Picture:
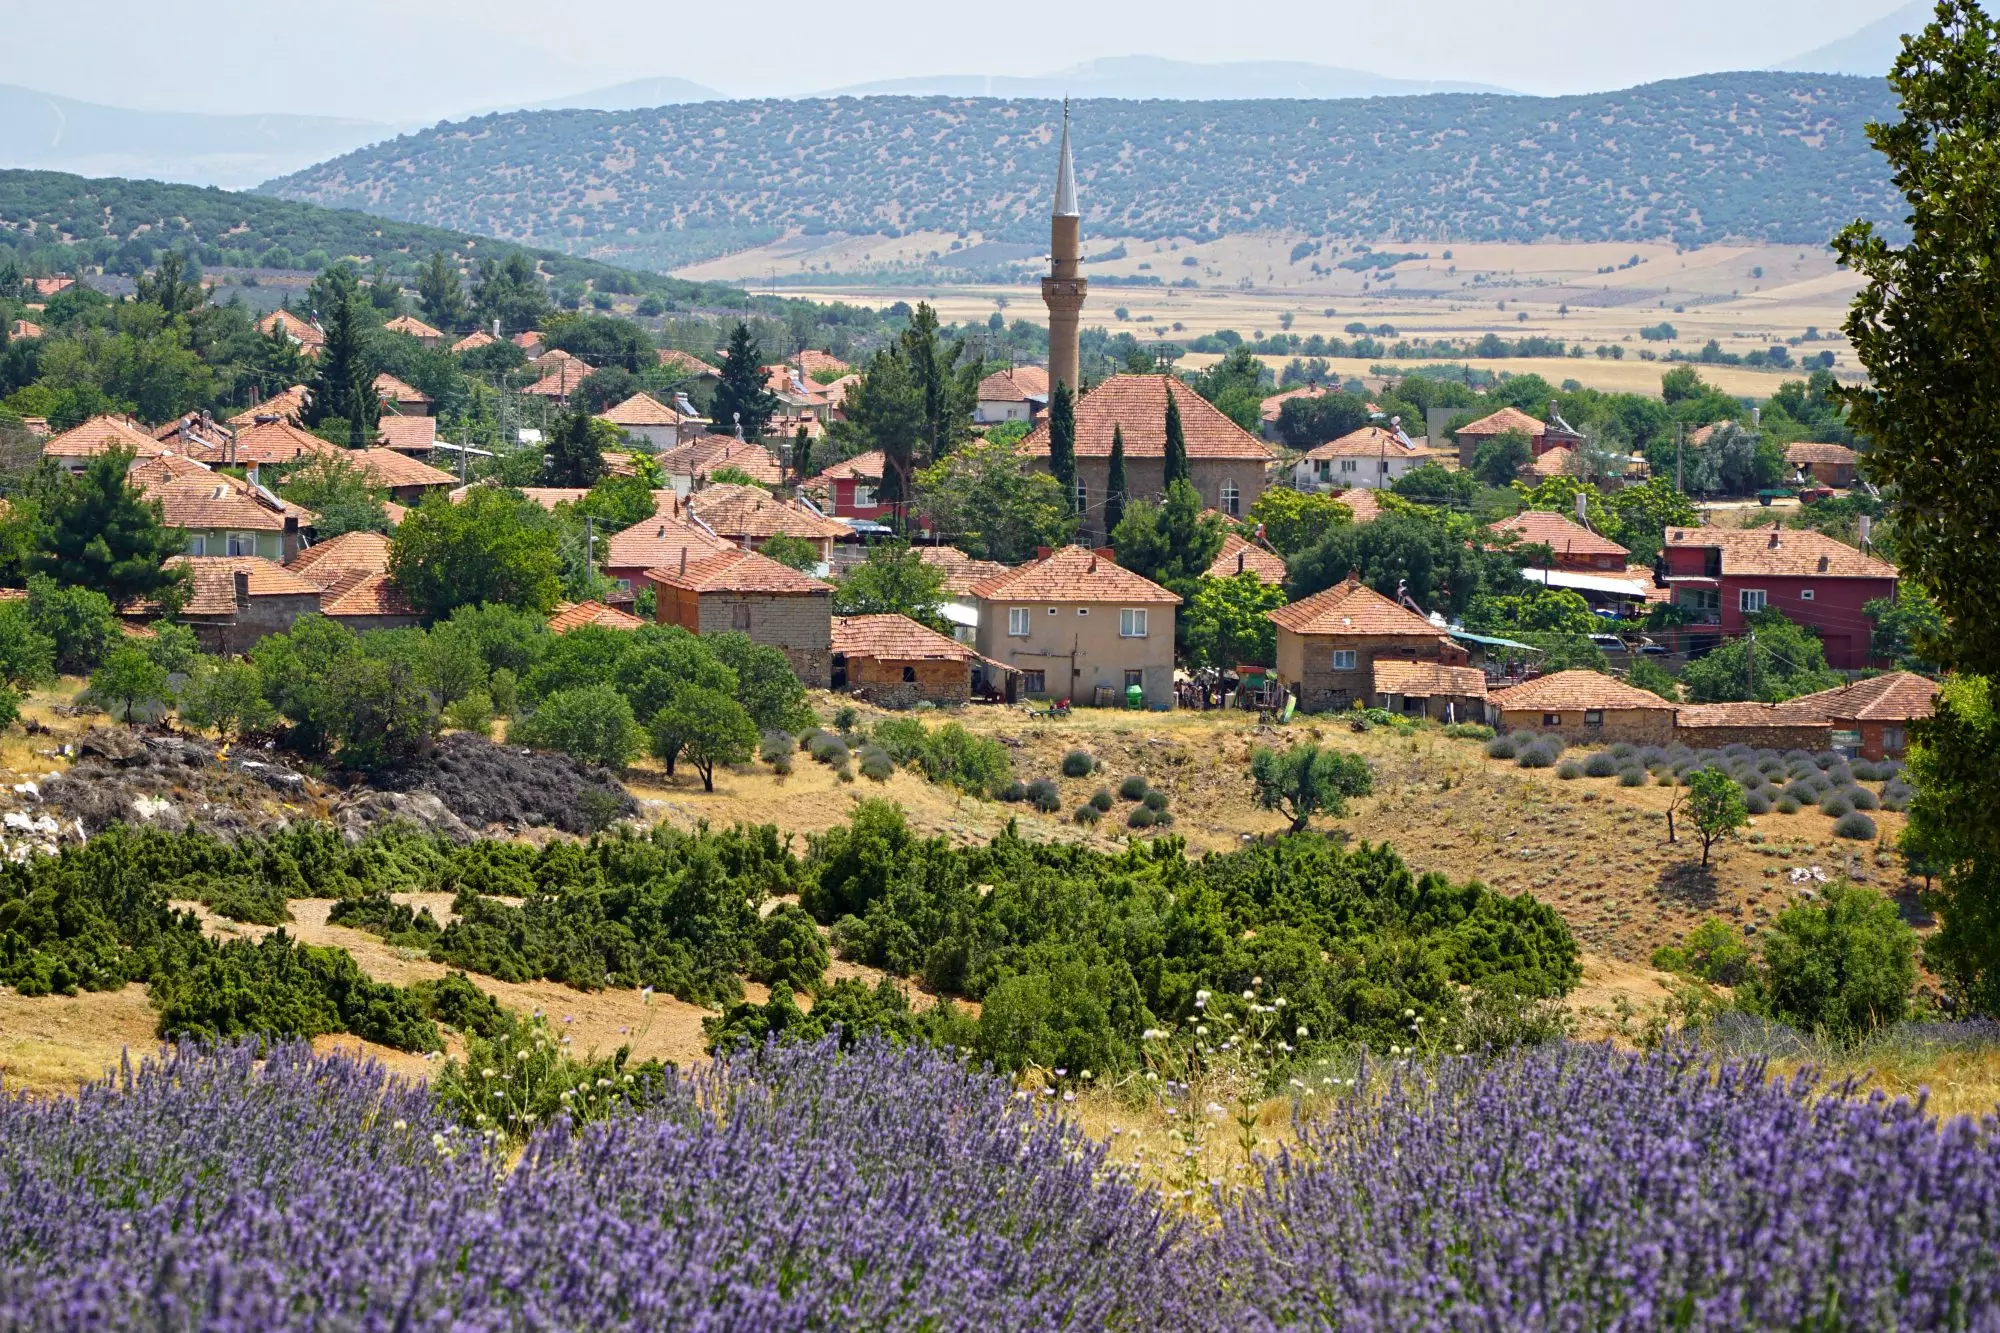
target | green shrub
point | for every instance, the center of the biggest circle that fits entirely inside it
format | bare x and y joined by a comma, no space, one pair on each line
1631,777
1855,825
1842,966
1602,764
458,1004
396,922
851,1007
592,723
1078,764
1714,952
1100,800
1141,817
278,987
1756,802
1014,792
1570,770
523,1077
1786,805
790,951
1835,805
875,763
1502,747
1535,756
1469,731
1087,815
846,718
1134,788
1044,795
1155,800
473,712
903,738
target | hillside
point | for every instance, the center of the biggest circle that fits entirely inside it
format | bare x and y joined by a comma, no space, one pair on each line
1779,157
54,221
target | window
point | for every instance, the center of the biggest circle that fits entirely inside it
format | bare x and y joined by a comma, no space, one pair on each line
1017,622
1894,739
909,675
1552,719
1083,610
1082,497
1135,678
1033,682
1132,623
1230,498
1052,610
1349,465
1593,717
1750,600
1384,467
1805,594
739,615
863,495
1343,659
242,543
198,544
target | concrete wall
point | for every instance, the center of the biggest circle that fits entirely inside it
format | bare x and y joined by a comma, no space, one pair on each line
1145,479
1078,653
1643,726
881,681
1305,665
215,541
800,625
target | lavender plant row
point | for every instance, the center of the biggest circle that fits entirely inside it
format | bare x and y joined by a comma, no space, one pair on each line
797,1188
1580,1188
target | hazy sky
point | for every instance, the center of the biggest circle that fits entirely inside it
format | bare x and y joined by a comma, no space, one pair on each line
406,60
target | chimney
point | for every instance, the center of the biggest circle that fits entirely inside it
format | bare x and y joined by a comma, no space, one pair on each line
1774,537
242,591
1043,552
496,326
1093,562
1866,523
684,559
1106,553
1239,562
1822,564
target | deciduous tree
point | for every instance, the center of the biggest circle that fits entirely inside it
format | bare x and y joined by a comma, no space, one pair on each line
1306,780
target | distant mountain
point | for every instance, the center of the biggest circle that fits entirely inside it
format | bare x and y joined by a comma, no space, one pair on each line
1179,80
663,91
1765,156
1871,50
61,134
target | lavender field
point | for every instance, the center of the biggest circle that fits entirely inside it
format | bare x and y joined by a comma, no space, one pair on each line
801,1187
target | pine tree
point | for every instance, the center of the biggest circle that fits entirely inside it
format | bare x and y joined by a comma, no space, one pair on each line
802,453
442,296
1177,458
741,398
1062,441
98,532
1114,486
343,382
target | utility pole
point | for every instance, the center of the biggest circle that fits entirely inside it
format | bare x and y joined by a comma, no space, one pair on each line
1750,662
1680,438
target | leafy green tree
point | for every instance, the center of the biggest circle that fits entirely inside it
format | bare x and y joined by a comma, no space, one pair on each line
947,386
1062,438
497,546
1909,629
173,646
1714,952
344,498
1062,1010
575,453
129,680
791,953
1533,610
742,399
1226,623
441,295
511,292
605,342
1498,461
77,622
1715,804
893,580
765,682
1306,780
383,714
619,502
1644,513
1293,520
712,729
1236,385
1116,488
343,379
993,505
225,697
1172,543
885,411
1176,447
592,723
1648,675
1435,484
1842,965
99,532
655,662
795,552
27,656
1786,658
298,669
175,286
1429,554
1307,423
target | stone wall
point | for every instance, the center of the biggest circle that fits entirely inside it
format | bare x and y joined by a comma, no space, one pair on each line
235,634
882,682
1641,726
1813,736
1305,665
800,625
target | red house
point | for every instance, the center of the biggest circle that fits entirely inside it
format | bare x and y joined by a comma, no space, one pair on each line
849,487
1721,576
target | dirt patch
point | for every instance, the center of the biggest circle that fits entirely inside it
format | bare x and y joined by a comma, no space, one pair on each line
55,1043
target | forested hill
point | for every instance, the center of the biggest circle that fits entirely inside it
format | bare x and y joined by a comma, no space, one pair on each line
1779,157
57,222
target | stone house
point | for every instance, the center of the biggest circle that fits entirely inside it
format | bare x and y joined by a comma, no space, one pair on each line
1430,689
1827,464
1761,726
74,448
1555,433
1871,717
400,397
1585,706
234,602
893,662
1227,464
576,615
1330,644
751,516
752,594
1077,626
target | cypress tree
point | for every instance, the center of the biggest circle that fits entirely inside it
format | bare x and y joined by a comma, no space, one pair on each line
741,396
1177,459
802,454
1062,442
343,382
1114,487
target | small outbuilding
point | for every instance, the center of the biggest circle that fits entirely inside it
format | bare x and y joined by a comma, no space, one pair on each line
1584,706
894,662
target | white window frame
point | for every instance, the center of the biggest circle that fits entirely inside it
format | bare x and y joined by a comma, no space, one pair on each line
1018,624
240,544
198,544
1805,594
1751,600
1232,499
1082,497
1132,622
1552,719
1343,659
864,496
1349,465
1083,610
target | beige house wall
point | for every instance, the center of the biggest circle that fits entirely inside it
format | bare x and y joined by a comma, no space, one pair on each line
1305,666
1642,726
1145,479
1077,647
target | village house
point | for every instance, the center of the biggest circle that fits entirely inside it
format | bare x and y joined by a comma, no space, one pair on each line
659,542
413,327
1826,464
234,602
303,333
351,572
1077,626
821,367
1576,548
672,358
267,442
21,328
416,436
220,514
1274,406
406,480
752,594
1555,433
645,417
961,574
404,399
1760,726
1723,576
472,342
1240,555
1871,717
287,405
1019,394
799,400
529,341
749,516
893,662
1362,505
848,489
561,378
74,448
1430,689
1331,643
576,615
1372,458
1227,464
1583,706
692,466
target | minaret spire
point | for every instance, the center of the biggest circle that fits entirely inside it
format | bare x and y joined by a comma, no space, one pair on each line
1064,289
1065,174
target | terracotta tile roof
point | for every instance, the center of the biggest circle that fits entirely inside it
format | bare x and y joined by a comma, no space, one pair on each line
893,638
392,471
1351,607
1554,463
1241,555
751,512
417,434
575,615
367,552
790,381
1138,405
1781,552
1704,434
674,358
641,409
699,459
1428,680
1806,451
212,582
23,329
101,434
1015,386
738,571
297,327
364,594
861,467
413,326
1744,714
165,468
1576,690
527,338
1897,696
392,390
548,497
1073,574
395,513
1369,442
475,339
1275,404
554,357
213,500
50,286
1362,503
1498,423
961,571
659,542
271,442
1538,527
559,382
286,406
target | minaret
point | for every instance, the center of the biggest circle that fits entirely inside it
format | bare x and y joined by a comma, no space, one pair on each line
1063,290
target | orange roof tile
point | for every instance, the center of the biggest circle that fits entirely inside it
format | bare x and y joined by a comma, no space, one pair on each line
286,406
1896,696
1072,574
167,467
212,500
392,471
1577,689
527,338
416,434
1782,552
738,571
704,457
575,615
562,380
392,390
961,571
1506,419
861,467
661,541
476,339
675,359
1555,462
641,409
1362,503
1015,386
740,512
1806,451
23,329
367,552
102,434
212,581
1369,442
893,638
813,362
1137,404
1239,555
273,442
297,327
1351,607
1538,527
365,595
411,325
1275,404
1428,680
1739,715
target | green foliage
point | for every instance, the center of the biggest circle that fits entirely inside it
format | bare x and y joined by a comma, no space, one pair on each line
575,449
1062,437
1307,423
592,723
497,546
1225,623
1843,965
77,621
1714,952
1648,675
1498,462
278,987
1306,780
1428,551
1788,660
343,377
742,401
1434,484
98,533
1909,629
1172,542
522,1077
993,504
791,954
1952,835
850,1006
709,727
129,683
339,493
384,714
765,683
1715,805
795,552
1533,610
1293,520
27,656
893,580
